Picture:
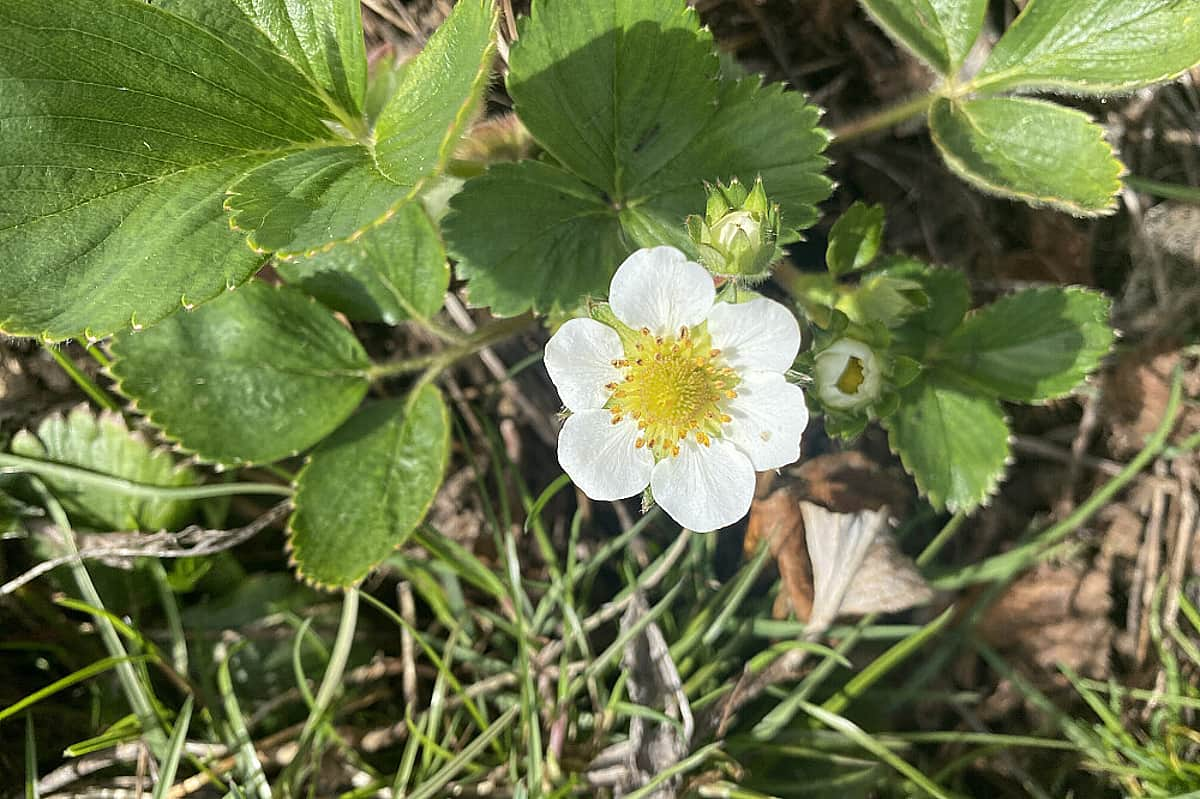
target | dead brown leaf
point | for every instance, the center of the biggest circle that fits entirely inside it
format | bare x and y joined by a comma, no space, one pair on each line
1055,615
844,482
1135,395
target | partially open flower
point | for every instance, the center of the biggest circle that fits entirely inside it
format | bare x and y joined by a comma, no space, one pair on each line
677,392
848,375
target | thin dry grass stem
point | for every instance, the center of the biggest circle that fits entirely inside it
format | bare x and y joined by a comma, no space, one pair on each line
408,657
1148,570
1185,538
541,424
119,549
1088,423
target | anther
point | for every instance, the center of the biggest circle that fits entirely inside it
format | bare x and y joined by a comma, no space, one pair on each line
713,353
641,442
703,438
645,331
731,394
726,418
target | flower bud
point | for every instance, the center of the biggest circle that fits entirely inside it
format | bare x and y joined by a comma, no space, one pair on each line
848,375
738,235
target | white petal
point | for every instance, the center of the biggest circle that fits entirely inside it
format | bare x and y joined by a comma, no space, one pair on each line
661,289
704,488
769,416
579,359
832,363
600,456
759,334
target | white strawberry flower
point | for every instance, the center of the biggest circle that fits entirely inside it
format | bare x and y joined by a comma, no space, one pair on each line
684,394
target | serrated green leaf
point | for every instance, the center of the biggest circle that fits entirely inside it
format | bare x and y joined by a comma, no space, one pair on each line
303,202
1095,46
595,81
939,32
324,38
636,129
955,445
855,239
122,126
253,377
756,131
368,486
394,272
104,444
1029,150
1034,345
563,245
322,196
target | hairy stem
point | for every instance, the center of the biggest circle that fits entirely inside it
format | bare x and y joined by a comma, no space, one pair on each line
438,361
882,120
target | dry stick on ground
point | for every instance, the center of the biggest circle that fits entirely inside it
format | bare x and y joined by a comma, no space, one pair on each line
118,549
537,420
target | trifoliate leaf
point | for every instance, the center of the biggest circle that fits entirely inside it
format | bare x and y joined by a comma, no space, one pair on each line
368,486
855,239
253,377
940,32
126,123
322,37
395,271
1029,150
1034,345
1095,46
626,97
104,444
955,445
314,198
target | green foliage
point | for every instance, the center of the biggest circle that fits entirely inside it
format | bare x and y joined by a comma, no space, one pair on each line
1040,152
256,376
954,444
322,37
311,199
626,96
104,444
1095,46
1030,150
946,370
368,486
393,272
855,239
1031,346
126,125
940,32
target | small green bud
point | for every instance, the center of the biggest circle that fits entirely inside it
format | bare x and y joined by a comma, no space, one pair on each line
738,236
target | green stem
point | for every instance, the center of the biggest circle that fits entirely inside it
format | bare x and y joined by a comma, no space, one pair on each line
17,464
1168,191
1016,560
941,539
98,395
131,685
332,681
882,120
437,362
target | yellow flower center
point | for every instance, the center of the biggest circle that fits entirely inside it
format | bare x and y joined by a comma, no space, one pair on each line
674,387
852,377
